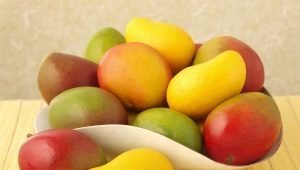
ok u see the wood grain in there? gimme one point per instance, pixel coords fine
(23, 127)
(291, 129)
(9, 114)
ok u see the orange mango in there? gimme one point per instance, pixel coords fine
(136, 73)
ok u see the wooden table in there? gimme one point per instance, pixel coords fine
(17, 117)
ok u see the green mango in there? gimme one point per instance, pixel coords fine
(85, 106)
(172, 124)
(101, 42)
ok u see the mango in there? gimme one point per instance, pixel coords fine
(254, 66)
(58, 149)
(172, 124)
(138, 159)
(101, 42)
(59, 72)
(85, 106)
(242, 129)
(197, 89)
(172, 42)
(136, 73)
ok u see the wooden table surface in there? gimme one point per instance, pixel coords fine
(17, 117)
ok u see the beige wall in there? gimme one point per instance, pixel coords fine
(31, 29)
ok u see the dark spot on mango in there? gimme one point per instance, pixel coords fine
(229, 159)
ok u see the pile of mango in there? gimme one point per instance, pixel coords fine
(209, 97)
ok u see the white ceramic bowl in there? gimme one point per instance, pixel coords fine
(115, 139)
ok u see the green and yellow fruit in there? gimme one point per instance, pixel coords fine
(85, 106)
(101, 42)
(172, 124)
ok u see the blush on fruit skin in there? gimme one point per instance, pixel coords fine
(241, 134)
(254, 66)
(197, 46)
(59, 72)
(136, 73)
(58, 149)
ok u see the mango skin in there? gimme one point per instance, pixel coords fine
(138, 159)
(197, 89)
(58, 149)
(242, 129)
(172, 124)
(135, 73)
(101, 42)
(254, 67)
(172, 42)
(59, 72)
(85, 106)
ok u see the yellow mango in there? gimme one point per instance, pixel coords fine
(174, 44)
(197, 89)
(138, 159)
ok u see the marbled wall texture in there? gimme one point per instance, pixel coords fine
(31, 29)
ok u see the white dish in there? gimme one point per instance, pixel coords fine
(115, 139)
